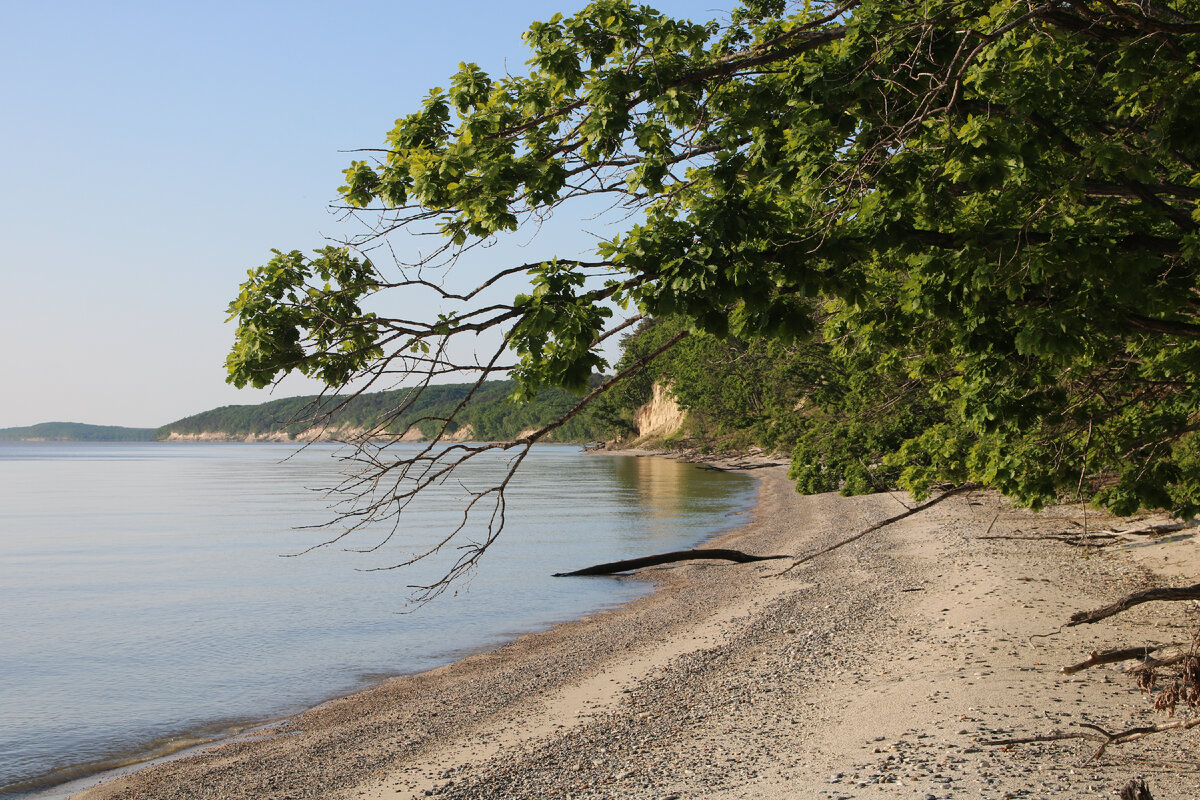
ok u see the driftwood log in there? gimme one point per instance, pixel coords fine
(1137, 598)
(1151, 656)
(743, 467)
(1159, 530)
(1099, 657)
(738, 556)
(969, 487)
(718, 554)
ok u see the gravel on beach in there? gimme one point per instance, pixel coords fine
(879, 670)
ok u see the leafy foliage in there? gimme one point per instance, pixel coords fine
(836, 412)
(987, 206)
(286, 322)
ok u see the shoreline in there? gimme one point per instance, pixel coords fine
(247, 691)
(187, 741)
(872, 671)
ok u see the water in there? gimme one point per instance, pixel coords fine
(144, 602)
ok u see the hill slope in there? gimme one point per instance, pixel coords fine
(489, 415)
(76, 432)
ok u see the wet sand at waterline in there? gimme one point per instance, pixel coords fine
(877, 670)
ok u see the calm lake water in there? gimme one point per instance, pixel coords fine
(144, 601)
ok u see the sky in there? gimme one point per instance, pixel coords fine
(151, 153)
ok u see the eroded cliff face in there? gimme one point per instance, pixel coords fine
(661, 417)
(413, 434)
(315, 434)
(464, 434)
(336, 434)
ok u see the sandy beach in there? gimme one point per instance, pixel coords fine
(876, 671)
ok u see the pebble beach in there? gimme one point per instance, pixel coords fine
(879, 670)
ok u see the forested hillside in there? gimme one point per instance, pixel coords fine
(490, 412)
(76, 432)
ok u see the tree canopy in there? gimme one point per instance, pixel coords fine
(987, 206)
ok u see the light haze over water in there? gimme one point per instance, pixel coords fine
(144, 597)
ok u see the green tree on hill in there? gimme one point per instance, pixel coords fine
(489, 412)
(992, 202)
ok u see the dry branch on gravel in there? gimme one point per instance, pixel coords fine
(1075, 539)
(1097, 734)
(1184, 661)
(1097, 657)
(1137, 598)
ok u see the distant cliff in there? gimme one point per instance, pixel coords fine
(661, 416)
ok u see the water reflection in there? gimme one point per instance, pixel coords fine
(144, 596)
(662, 488)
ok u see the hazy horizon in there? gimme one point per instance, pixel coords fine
(155, 152)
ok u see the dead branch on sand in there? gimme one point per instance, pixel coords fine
(1152, 657)
(1131, 600)
(1097, 734)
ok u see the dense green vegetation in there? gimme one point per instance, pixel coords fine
(982, 218)
(840, 418)
(76, 432)
(490, 413)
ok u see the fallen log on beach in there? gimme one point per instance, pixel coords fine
(1137, 598)
(745, 558)
(718, 554)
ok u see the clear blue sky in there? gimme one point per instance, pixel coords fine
(151, 152)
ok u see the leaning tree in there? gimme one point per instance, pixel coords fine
(995, 200)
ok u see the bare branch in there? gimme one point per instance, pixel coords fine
(1097, 734)
(967, 487)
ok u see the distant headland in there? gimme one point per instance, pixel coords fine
(486, 414)
(76, 432)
